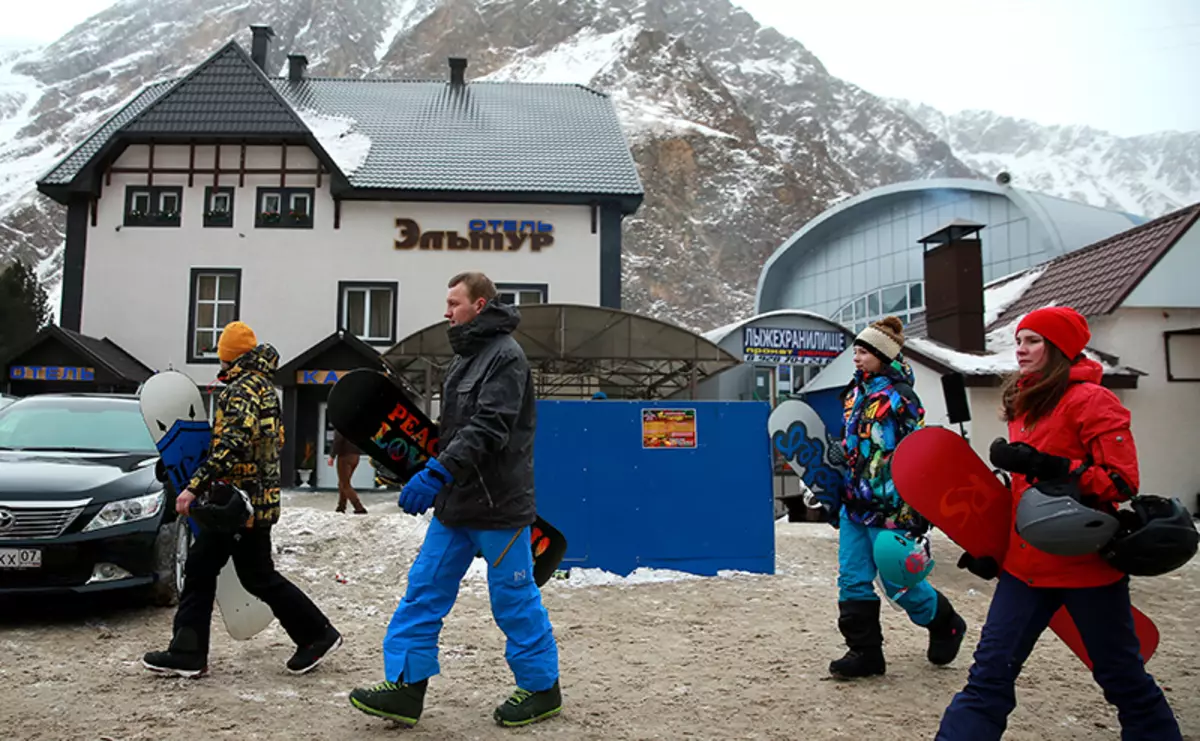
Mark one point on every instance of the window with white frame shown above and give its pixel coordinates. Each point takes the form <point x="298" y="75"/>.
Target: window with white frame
<point x="140" y="202"/>
<point x="368" y="311"/>
<point x="168" y="203"/>
<point x="522" y="294"/>
<point x="300" y="202"/>
<point x="270" y="203"/>
<point x="215" y="296"/>
<point x="903" y="300"/>
<point x="219" y="202"/>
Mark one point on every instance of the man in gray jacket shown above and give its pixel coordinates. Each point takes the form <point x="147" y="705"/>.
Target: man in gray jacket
<point x="481" y="489"/>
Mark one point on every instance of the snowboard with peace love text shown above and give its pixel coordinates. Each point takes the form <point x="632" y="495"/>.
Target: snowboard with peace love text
<point x="382" y="420"/>
<point x="938" y="473"/>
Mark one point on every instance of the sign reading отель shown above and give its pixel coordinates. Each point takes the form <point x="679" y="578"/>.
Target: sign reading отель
<point x="780" y="346"/>
<point x="483" y="235"/>
<point x="50" y="373"/>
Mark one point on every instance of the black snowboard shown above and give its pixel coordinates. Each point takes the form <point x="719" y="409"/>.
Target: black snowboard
<point x="376" y="414"/>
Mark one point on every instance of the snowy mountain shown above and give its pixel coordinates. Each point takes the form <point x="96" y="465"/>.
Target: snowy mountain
<point x="740" y="134"/>
<point x="1149" y="175"/>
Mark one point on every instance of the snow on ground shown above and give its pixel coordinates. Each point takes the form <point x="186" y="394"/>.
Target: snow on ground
<point x="337" y="134"/>
<point x="654" y="655"/>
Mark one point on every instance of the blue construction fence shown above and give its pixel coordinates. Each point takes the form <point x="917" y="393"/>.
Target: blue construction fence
<point x="683" y="485"/>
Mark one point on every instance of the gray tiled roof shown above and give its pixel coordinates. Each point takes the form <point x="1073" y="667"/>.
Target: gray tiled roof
<point x="111" y="354"/>
<point x="68" y="167"/>
<point x="226" y="94"/>
<point x="426" y="135"/>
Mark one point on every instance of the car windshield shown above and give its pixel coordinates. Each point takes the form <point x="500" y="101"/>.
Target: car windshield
<point x="85" y="424"/>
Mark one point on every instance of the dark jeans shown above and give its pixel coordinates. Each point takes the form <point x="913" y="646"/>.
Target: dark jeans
<point x="1018" y="615"/>
<point x="251" y="553"/>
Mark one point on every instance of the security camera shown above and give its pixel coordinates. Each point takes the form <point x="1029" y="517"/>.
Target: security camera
<point x="1003" y="178"/>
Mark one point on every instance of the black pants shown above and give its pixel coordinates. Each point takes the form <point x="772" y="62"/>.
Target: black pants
<point x="1017" y="617"/>
<point x="251" y="553"/>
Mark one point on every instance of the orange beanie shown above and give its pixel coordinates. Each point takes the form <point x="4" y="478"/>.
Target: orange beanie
<point x="236" y="339"/>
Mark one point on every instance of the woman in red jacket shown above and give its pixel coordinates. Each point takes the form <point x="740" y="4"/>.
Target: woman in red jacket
<point x="1061" y="422"/>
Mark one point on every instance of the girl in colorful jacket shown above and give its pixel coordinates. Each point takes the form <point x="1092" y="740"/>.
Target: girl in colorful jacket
<point x="1060" y="420"/>
<point x="880" y="409"/>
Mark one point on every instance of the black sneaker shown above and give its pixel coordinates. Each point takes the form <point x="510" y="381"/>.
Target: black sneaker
<point x="176" y="663"/>
<point x="402" y="703"/>
<point x="525" y="707"/>
<point x="309" y="657"/>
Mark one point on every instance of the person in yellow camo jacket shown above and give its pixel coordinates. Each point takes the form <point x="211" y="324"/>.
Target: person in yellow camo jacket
<point x="247" y="438"/>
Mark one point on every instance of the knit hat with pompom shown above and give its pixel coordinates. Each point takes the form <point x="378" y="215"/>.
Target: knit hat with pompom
<point x="884" y="338"/>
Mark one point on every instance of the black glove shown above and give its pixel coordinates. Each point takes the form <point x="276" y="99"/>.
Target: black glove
<point x="1027" y="460"/>
<point x="984" y="568"/>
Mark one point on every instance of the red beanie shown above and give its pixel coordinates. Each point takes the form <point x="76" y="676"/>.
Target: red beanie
<point x="1061" y="326"/>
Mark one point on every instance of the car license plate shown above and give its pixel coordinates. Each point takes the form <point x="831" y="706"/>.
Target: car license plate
<point x="20" y="558"/>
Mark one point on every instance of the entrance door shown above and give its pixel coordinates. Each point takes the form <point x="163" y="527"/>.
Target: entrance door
<point x="363" y="478"/>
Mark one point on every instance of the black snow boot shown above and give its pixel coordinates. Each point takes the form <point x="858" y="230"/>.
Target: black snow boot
<point x="859" y="623"/>
<point x="396" y="701"/>
<point x="307" y="657"/>
<point x="946" y="633"/>
<point x="183" y="658"/>
<point x="524" y="707"/>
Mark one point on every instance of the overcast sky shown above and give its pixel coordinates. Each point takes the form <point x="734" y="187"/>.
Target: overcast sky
<point x="1119" y="65"/>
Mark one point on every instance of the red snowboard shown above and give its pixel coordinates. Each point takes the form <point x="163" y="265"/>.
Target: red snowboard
<point x="968" y="503"/>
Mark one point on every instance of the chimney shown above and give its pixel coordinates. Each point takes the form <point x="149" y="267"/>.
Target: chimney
<point x="954" y="286"/>
<point x="297" y="63"/>
<point x="260" y="46"/>
<point x="458" y="66"/>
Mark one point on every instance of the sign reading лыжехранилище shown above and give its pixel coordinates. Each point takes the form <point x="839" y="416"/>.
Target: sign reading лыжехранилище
<point x="491" y="235"/>
<point x="791" y="346"/>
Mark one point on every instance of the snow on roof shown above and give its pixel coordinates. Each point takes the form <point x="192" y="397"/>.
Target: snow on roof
<point x="338" y="135"/>
<point x="1000" y="357"/>
<point x="1000" y="294"/>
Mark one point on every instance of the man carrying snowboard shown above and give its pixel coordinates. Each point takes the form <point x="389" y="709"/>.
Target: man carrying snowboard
<point x="246" y="439"/>
<point x="481" y="489"/>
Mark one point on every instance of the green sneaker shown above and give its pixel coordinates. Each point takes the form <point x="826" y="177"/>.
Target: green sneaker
<point x="402" y="703"/>
<point x="525" y="707"/>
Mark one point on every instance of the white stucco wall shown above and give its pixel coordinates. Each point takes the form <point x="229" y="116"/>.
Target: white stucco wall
<point x="1164" y="414"/>
<point x="136" y="279"/>
<point x="1171" y="283"/>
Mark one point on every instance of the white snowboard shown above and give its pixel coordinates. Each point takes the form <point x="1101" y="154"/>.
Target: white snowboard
<point x="169" y="396"/>
<point x="798" y="434"/>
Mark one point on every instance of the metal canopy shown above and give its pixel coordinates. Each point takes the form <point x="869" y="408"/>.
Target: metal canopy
<point x="575" y="350"/>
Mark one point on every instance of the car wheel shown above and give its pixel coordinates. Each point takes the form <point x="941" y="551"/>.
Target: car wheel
<point x="170" y="556"/>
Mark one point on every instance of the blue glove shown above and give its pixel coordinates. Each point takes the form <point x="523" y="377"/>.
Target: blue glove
<point x="418" y="494"/>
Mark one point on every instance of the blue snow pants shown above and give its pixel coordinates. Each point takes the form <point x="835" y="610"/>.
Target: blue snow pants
<point x="856" y="573"/>
<point x="1019" y="614"/>
<point x="410" y="646"/>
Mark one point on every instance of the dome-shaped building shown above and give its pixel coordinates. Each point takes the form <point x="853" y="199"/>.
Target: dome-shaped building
<point x="860" y="259"/>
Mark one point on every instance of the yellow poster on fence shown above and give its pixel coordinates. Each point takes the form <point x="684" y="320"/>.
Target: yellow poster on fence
<point x="668" y="428"/>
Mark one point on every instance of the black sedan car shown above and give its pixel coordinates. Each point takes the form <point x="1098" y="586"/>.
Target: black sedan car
<point x="80" y="507"/>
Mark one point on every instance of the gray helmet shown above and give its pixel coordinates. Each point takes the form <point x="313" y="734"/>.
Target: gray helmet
<point x="1050" y="519"/>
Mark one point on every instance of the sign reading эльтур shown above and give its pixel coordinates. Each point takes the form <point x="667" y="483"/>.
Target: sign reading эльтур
<point x="791" y="346"/>
<point x="491" y="235"/>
